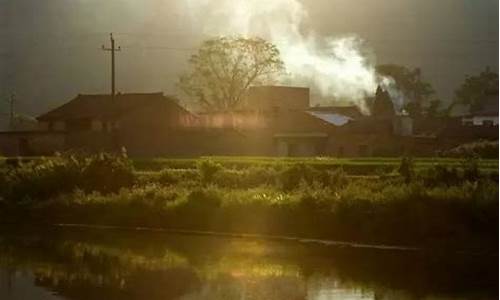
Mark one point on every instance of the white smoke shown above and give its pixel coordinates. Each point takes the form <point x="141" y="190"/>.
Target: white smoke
<point x="397" y="96"/>
<point x="336" y="68"/>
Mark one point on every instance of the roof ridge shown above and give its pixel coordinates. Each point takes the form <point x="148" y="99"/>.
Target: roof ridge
<point x="124" y="94"/>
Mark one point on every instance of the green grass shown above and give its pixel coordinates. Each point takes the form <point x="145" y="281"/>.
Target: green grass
<point x="361" y="210"/>
<point x="358" y="166"/>
<point x="441" y="202"/>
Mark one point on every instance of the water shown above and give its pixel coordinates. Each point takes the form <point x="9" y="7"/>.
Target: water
<point x="111" y="264"/>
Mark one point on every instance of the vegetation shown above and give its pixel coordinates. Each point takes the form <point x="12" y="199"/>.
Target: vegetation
<point x="39" y="180"/>
<point x="450" y="204"/>
<point x="352" y="166"/>
<point x="476" y="89"/>
<point x="224" y="68"/>
<point x="410" y="83"/>
<point x="479" y="149"/>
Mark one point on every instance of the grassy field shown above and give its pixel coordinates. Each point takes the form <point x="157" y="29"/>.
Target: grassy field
<point x="424" y="202"/>
<point x="353" y="166"/>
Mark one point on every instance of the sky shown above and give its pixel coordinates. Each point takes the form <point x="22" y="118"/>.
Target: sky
<point x="50" y="49"/>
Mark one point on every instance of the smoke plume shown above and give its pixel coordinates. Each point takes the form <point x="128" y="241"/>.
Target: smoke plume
<point x="336" y="68"/>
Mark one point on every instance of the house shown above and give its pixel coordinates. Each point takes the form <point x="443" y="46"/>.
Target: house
<point x="272" y="98"/>
<point x="20" y="136"/>
<point x="279" y="121"/>
<point x="471" y="124"/>
<point x="143" y="123"/>
<point x="273" y="121"/>
<point x="485" y="115"/>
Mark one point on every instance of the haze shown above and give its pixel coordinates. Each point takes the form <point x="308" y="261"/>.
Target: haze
<point x="50" y="50"/>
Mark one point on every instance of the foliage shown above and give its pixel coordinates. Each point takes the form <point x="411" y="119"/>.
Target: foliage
<point x="207" y="169"/>
<point x="382" y="105"/>
<point x="204" y="199"/>
<point x="225" y="67"/>
<point x="409" y="82"/>
<point x="361" y="210"/>
<point x="475" y="90"/>
<point x="45" y="178"/>
<point x="434" y="109"/>
<point x="291" y="177"/>
<point x="407" y="169"/>
<point x="471" y="169"/>
<point x="456" y="203"/>
<point x="351" y="166"/>
<point x="442" y="174"/>
<point x="480" y="149"/>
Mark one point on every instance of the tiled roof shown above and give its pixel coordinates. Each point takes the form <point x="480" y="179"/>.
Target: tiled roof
<point x="102" y="107"/>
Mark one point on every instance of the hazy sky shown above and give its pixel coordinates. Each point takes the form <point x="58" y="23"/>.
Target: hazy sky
<point x="50" y="49"/>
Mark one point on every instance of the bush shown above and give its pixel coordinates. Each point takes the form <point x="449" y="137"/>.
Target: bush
<point x="480" y="149"/>
<point x="105" y="173"/>
<point x="471" y="169"/>
<point x="441" y="174"/>
<point x="406" y="169"/>
<point x="204" y="199"/>
<point x="207" y="169"/>
<point x="291" y="177"/>
<point x="45" y="178"/>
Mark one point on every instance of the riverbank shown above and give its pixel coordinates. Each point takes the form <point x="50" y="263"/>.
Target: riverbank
<point x="441" y="206"/>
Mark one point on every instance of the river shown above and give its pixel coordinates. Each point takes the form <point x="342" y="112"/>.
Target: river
<point x="73" y="264"/>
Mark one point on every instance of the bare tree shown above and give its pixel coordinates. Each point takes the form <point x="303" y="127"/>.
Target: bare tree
<point x="224" y="68"/>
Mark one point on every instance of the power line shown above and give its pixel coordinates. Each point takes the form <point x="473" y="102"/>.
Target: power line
<point x="159" y="48"/>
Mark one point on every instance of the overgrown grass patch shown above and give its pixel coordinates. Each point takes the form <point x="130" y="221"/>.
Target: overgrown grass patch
<point x="455" y="204"/>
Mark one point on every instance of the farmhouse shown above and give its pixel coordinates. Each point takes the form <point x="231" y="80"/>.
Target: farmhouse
<point x="485" y="115"/>
<point x="280" y="121"/>
<point x="272" y="121"/>
<point x="145" y="124"/>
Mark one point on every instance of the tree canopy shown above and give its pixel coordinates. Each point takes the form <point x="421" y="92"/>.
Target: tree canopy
<point x="475" y="90"/>
<point x="224" y="68"/>
<point x="417" y="92"/>
<point x="382" y="104"/>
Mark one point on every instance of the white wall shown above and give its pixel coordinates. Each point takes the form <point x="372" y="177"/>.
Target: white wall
<point x="479" y="120"/>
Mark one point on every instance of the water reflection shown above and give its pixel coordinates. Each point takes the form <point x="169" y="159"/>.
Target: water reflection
<point x="95" y="264"/>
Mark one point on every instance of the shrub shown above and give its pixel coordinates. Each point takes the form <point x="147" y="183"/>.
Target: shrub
<point x="45" y="178"/>
<point x="204" y="199"/>
<point x="105" y="173"/>
<point x="441" y="174"/>
<point x="246" y="178"/>
<point x="167" y="176"/>
<point x="471" y="169"/>
<point x="481" y="149"/>
<point x="406" y="169"/>
<point x="291" y="177"/>
<point x="336" y="178"/>
<point x="255" y="176"/>
<point x="207" y="169"/>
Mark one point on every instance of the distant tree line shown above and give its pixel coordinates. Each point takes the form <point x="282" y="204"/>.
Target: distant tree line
<point x="224" y="68"/>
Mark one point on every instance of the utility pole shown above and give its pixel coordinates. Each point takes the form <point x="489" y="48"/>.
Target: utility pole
<point x="114" y="133"/>
<point x="113" y="50"/>
<point x="11" y="102"/>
